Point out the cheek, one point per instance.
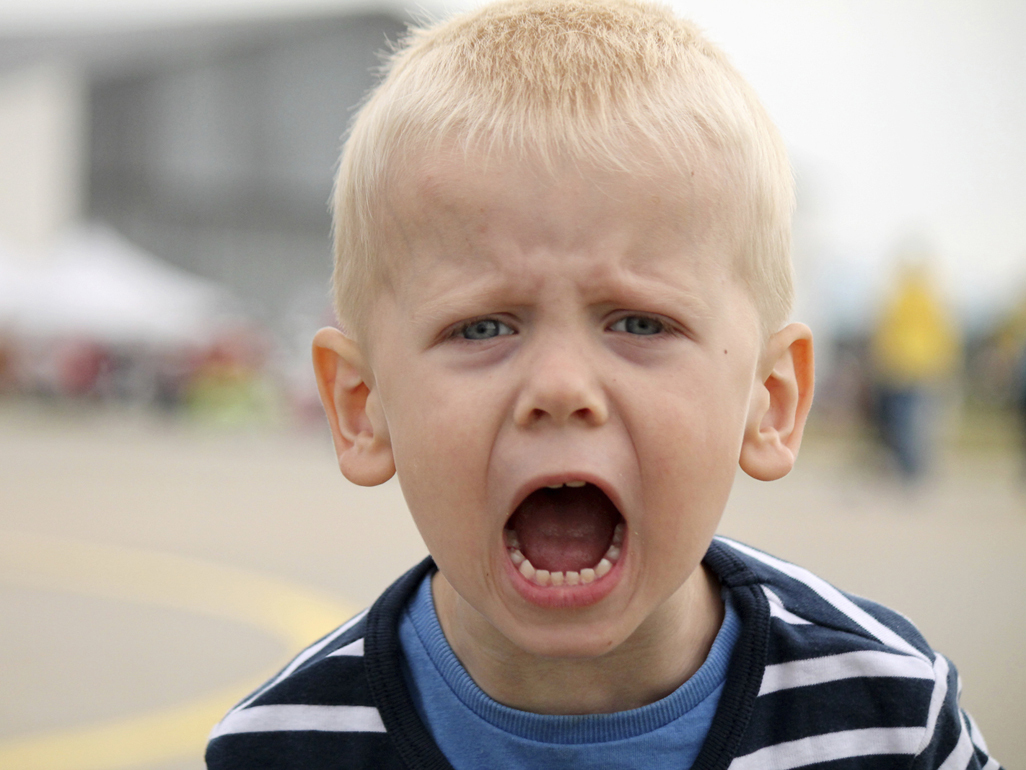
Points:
(690, 457)
(437, 436)
(441, 446)
(696, 421)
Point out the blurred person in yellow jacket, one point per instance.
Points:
(916, 347)
(1021, 396)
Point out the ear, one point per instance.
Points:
(351, 403)
(780, 404)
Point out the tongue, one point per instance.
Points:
(565, 529)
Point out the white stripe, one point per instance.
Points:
(833, 596)
(845, 665)
(976, 735)
(778, 610)
(959, 757)
(301, 658)
(273, 719)
(940, 692)
(870, 742)
(354, 649)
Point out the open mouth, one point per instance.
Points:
(565, 535)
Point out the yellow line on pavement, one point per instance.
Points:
(294, 614)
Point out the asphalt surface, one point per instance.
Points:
(131, 548)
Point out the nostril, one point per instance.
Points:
(585, 415)
(555, 395)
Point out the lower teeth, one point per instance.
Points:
(543, 577)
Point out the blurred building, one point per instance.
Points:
(210, 146)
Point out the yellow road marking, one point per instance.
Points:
(294, 614)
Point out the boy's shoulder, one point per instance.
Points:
(841, 676)
(797, 598)
(325, 703)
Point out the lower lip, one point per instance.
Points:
(565, 597)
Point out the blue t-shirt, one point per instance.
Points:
(474, 731)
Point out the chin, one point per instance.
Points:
(569, 633)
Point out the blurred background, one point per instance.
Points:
(172, 524)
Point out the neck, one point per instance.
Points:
(662, 653)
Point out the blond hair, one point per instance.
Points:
(584, 80)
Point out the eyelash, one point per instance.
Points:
(661, 327)
(460, 331)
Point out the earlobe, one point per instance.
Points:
(780, 404)
(353, 409)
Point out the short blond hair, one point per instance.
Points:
(584, 80)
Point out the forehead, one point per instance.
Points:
(453, 209)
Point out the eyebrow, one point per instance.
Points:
(497, 292)
(464, 298)
(634, 289)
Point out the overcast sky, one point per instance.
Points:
(906, 121)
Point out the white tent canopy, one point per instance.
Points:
(96, 284)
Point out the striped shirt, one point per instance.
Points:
(818, 679)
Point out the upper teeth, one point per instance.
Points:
(573, 484)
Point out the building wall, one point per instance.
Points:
(218, 154)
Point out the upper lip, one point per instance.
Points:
(541, 482)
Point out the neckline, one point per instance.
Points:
(571, 729)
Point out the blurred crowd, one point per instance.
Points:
(101, 323)
(226, 378)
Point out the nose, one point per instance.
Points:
(561, 386)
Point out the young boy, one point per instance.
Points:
(562, 236)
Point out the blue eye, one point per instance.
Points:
(485, 329)
(638, 324)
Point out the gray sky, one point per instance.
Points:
(906, 121)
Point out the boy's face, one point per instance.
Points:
(549, 330)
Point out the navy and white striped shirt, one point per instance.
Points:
(818, 679)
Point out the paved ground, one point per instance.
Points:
(151, 572)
